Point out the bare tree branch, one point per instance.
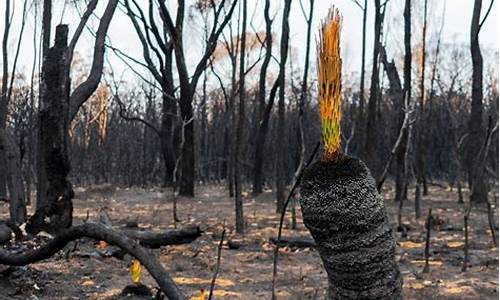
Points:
(85, 90)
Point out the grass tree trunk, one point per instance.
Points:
(347, 218)
(340, 203)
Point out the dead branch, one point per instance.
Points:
(217, 267)
(427, 241)
(294, 242)
(154, 239)
(97, 232)
(290, 195)
(408, 120)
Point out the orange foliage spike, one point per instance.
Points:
(330, 83)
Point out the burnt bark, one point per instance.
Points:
(238, 145)
(475, 125)
(187, 82)
(348, 221)
(360, 117)
(56, 110)
(401, 178)
(421, 139)
(4, 100)
(264, 110)
(101, 233)
(371, 139)
(56, 211)
(15, 182)
(281, 176)
(167, 137)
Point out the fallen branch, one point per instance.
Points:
(97, 232)
(154, 239)
(294, 242)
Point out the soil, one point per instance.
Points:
(79, 272)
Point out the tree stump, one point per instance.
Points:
(347, 218)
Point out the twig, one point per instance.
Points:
(466, 233)
(407, 122)
(491, 222)
(427, 241)
(290, 195)
(219, 251)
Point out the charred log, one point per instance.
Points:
(97, 232)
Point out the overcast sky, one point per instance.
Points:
(122, 35)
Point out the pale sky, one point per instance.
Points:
(122, 35)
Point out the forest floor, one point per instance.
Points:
(246, 272)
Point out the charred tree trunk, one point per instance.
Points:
(41, 183)
(238, 145)
(348, 221)
(15, 184)
(57, 108)
(167, 137)
(56, 212)
(401, 179)
(264, 110)
(475, 124)
(281, 177)
(4, 100)
(371, 140)
(421, 127)
(187, 163)
(361, 109)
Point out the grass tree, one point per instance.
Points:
(340, 203)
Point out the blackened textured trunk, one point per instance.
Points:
(347, 218)
(55, 213)
(371, 140)
(41, 183)
(475, 124)
(281, 177)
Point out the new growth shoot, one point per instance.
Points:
(330, 83)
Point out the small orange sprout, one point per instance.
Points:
(135, 271)
(330, 83)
